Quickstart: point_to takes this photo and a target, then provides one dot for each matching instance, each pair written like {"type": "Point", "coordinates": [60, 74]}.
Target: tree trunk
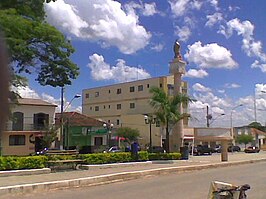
{"type": "Point", "coordinates": [167, 140]}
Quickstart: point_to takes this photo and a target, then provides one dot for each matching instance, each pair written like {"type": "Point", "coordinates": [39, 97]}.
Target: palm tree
{"type": "Point", "coordinates": [167, 109]}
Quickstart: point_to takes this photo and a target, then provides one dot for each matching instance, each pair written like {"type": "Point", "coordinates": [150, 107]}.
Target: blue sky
{"type": "Point", "coordinates": [223, 43]}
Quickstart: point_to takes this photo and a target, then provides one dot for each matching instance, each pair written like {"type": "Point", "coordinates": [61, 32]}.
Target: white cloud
{"type": "Point", "coordinates": [214, 3]}
{"type": "Point", "coordinates": [146, 9]}
{"type": "Point", "coordinates": [213, 19]}
{"type": "Point", "coordinates": [233, 85]}
{"type": "Point", "coordinates": [200, 88]}
{"type": "Point", "coordinates": [149, 9]}
{"type": "Point", "coordinates": [221, 91]}
{"type": "Point", "coordinates": [210, 56]}
{"type": "Point", "coordinates": [158, 47]}
{"type": "Point", "coordinates": [245, 29]}
{"type": "Point", "coordinates": [261, 66]}
{"type": "Point", "coordinates": [26, 92]}
{"type": "Point", "coordinates": [193, 73]}
{"type": "Point", "coordinates": [196, 4]}
{"type": "Point", "coordinates": [99, 20]}
{"type": "Point", "coordinates": [100, 70]}
{"type": "Point", "coordinates": [183, 33]}
{"type": "Point", "coordinates": [179, 7]}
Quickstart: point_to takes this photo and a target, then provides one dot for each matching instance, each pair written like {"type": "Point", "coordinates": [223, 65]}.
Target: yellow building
{"type": "Point", "coordinates": [125, 104]}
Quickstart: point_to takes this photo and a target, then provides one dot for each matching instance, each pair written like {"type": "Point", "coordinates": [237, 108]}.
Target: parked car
{"type": "Point", "coordinates": [217, 149]}
{"type": "Point", "coordinates": [252, 149]}
{"type": "Point", "coordinates": [202, 149]}
{"type": "Point", "coordinates": [156, 149]}
{"type": "Point", "coordinates": [233, 149]}
{"type": "Point", "coordinates": [113, 149]}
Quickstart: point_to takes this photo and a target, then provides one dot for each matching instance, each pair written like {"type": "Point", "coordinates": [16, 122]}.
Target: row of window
{"type": "Point", "coordinates": [118, 107]}
{"type": "Point", "coordinates": [17, 140]}
{"type": "Point", "coordinates": [119, 90]}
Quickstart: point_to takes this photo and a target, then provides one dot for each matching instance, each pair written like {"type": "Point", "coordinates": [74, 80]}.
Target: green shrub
{"type": "Point", "coordinates": [30, 162]}
{"type": "Point", "coordinates": [143, 156]}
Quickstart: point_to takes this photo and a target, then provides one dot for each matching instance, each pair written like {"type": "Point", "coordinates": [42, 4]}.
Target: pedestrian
{"type": "Point", "coordinates": [134, 151]}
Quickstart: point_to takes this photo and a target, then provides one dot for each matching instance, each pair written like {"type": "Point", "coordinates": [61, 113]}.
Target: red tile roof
{"type": "Point", "coordinates": [77, 119]}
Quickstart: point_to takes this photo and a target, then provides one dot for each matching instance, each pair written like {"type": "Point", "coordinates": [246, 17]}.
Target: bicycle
{"type": "Point", "coordinates": [221, 190]}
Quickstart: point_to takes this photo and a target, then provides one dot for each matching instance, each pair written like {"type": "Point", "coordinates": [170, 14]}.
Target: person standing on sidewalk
{"type": "Point", "coordinates": [134, 151]}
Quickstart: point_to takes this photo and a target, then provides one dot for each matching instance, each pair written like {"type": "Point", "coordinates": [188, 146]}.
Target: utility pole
{"type": "Point", "coordinates": [208, 117]}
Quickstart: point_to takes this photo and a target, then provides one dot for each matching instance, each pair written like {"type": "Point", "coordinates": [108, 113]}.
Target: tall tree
{"type": "Point", "coordinates": [167, 109]}
{"type": "Point", "coordinates": [34, 45]}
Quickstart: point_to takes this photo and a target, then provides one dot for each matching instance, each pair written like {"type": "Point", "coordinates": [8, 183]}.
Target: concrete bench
{"type": "Point", "coordinates": [54, 164]}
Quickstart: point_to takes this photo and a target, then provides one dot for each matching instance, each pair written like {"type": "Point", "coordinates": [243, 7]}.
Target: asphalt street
{"type": "Point", "coordinates": [190, 185]}
{"type": "Point", "coordinates": [104, 174]}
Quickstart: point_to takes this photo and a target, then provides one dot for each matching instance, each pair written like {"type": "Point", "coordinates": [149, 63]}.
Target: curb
{"type": "Point", "coordinates": [111, 178]}
{"type": "Point", "coordinates": [24, 172]}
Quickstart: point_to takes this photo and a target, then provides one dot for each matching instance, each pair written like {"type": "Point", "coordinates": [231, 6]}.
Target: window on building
{"type": "Point", "coordinates": [118, 91]}
{"type": "Point", "coordinates": [170, 89]}
{"type": "Point", "coordinates": [97, 108]}
{"type": "Point", "coordinates": [90, 108]}
{"type": "Point", "coordinates": [87, 95]}
{"type": "Point", "coordinates": [140, 88]}
{"type": "Point", "coordinates": [98, 141]}
{"type": "Point", "coordinates": [40, 121]}
{"type": "Point", "coordinates": [109, 91]}
{"type": "Point", "coordinates": [109, 106]}
{"type": "Point", "coordinates": [117, 122]}
{"type": "Point", "coordinates": [18, 121]}
{"type": "Point", "coordinates": [97, 94]}
{"type": "Point", "coordinates": [118, 106]}
{"type": "Point", "coordinates": [132, 105]}
{"type": "Point", "coordinates": [16, 140]}
{"type": "Point", "coordinates": [161, 85]}
{"type": "Point", "coordinates": [148, 85]}
{"type": "Point", "coordinates": [131, 89]}
{"type": "Point", "coordinates": [103, 106]}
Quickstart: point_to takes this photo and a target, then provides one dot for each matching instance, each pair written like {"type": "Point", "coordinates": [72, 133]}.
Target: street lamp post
{"type": "Point", "coordinates": [150, 119]}
{"type": "Point", "coordinates": [62, 118]}
{"type": "Point", "coordinates": [109, 127]}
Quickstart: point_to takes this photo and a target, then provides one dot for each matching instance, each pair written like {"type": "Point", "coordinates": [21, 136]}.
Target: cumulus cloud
{"type": "Point", "coordinates": [183, 33]}
{"type": "Point", "coordinates": [179, 7]}
{"type": "Point", "coordinates": [261, 66]}
{"type": "Point", "coordinates": [100, 70]}
{"type": "Point", "coordinates": [193, 73]}
{"type": "Point", "coordinates": [245, 29]}
{"type": "Point", "coordinates": [26, 92]}
{"type": "Point", "coordinates": [99, 20]}
{"type": "Point", "coordinates": [149, 9]}
{"type": "Point", "coordinates": [213, 19]}
{"type": "Point", "coordinates": [146, 9]}
{"type": "Point", "coordinates": [200, 88]}
{"type": "Point", "coordinates": [210, 56]}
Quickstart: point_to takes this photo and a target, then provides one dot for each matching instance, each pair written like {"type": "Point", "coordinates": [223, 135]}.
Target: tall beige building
{"type": "Point", "coordinates": [125, 104]}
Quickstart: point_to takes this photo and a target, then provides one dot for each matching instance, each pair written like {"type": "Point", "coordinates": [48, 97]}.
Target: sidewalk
{"type": "Point", "coordinates": [101, 174]}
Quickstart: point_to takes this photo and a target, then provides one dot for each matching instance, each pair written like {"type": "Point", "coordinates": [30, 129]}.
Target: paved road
{"type": "Point", "coordinates": [190, 185]}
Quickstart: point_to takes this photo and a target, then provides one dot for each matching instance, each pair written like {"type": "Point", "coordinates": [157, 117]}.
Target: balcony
{"type": "Point", "coordinates": [25, 127]}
